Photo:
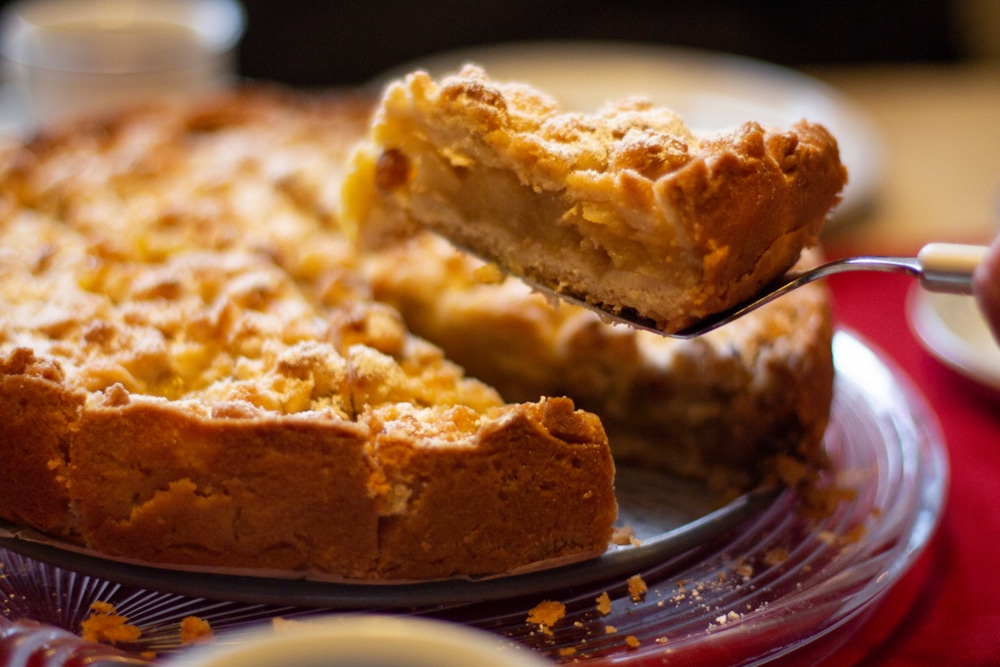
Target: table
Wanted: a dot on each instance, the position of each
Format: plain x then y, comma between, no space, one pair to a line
941,127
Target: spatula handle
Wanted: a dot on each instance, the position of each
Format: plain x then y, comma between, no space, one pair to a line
948,267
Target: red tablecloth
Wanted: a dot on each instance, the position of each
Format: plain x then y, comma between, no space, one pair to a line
947,610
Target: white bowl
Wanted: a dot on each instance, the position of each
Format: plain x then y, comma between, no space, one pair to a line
76,57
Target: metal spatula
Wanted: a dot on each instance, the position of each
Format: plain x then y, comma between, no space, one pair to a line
941,267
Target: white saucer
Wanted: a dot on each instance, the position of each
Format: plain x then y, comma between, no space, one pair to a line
711,91
952,329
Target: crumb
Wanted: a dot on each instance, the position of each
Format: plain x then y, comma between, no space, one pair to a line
604,603
637,587
567,652
195,630
632,641
792,471
610,629
489,274
105,624
776,556
745,570
547,613
725,618
854,535
625,535
661,640
819,503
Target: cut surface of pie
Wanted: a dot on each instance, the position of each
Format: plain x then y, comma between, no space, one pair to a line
193,373
728,407
625,208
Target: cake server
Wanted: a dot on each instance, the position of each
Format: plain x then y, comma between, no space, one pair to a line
940,267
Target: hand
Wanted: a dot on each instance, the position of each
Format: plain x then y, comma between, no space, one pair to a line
986,288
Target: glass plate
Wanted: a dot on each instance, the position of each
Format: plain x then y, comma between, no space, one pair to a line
780,583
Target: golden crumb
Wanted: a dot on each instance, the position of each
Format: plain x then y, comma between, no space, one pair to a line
604,603
854,535
100,607
637,587
567,652
726,618
776,556
625,535
820,502
792,471
610,629
195,630
632,641
547,613
489,274
106,625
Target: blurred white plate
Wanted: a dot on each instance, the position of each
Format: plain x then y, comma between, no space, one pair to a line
952,329
711,91
362,641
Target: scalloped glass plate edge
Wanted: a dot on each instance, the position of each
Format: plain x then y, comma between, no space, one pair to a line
833,593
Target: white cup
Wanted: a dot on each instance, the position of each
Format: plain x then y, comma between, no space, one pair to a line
361,641
74,57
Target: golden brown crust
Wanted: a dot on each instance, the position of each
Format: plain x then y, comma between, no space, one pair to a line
36,414
465,486
194,373
625,208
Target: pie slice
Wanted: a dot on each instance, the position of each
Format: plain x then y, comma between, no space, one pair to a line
626,208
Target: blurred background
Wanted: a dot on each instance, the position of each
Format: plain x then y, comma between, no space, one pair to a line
344,42
320,43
